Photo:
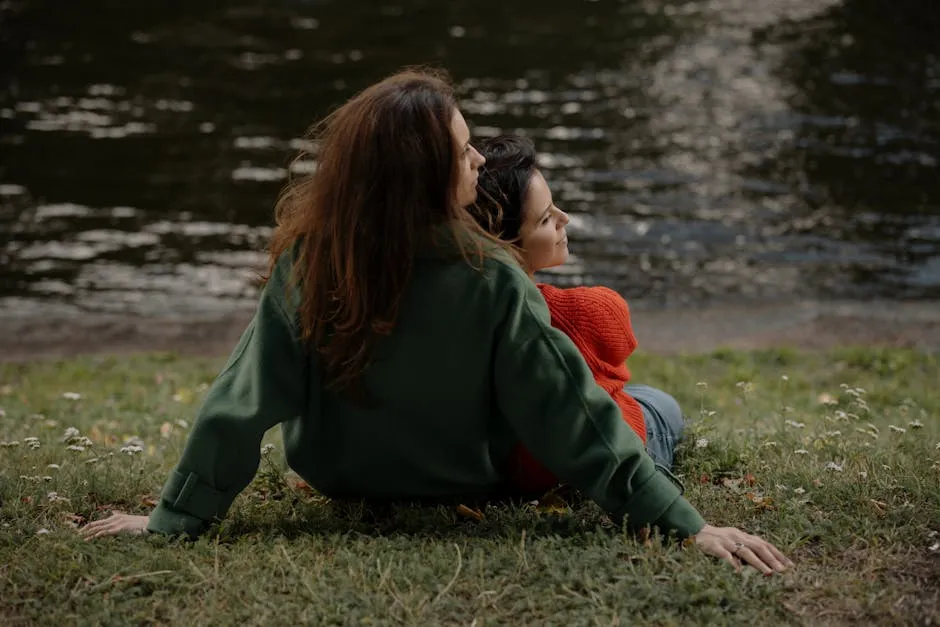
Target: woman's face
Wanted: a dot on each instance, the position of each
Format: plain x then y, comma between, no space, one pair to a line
543,236
469,162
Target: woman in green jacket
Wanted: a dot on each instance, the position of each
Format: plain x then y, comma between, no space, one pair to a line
403,350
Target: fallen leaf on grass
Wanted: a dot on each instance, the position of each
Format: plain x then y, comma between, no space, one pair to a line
304,487
732,484
73,520
826,399
879,506
468,512
551,503
148,500
762,502
184,395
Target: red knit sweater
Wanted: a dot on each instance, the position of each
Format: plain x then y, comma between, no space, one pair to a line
597,320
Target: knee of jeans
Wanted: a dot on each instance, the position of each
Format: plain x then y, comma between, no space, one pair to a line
672,413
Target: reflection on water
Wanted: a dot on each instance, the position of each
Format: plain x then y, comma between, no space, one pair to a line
729,149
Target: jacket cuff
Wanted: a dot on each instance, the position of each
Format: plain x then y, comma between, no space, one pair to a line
682,517
659,502
186,504
165,521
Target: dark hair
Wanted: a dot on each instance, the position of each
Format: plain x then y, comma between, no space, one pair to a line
504,179
386,174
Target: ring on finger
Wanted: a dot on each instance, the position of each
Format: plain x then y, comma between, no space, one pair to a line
737,547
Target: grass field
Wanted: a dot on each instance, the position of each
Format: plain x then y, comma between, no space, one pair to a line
834,457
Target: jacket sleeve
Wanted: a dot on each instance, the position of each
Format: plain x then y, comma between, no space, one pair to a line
571,425
261,385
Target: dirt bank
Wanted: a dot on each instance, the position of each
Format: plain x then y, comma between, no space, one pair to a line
803,325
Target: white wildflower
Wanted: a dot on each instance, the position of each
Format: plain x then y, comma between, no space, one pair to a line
53,466
702,385
30,440
42,532
72,396
916,424
832,466
701,442
933,548
794,424
841,415
84,441
833,434
801,451
93,460
784,377
3,413
866,432
937,446
769,444
76,447
863,474
9,444
134,440
799,491
897,429
54,496
182,424
267,448
782,488
70,433
47,478
132,449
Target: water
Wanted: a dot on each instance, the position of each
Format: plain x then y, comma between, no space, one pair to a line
708,152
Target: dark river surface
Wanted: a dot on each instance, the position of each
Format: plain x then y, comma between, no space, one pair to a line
708,152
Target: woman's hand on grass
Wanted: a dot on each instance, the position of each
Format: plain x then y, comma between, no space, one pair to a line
737,548
115,524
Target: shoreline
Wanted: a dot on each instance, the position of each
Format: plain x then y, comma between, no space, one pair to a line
806,325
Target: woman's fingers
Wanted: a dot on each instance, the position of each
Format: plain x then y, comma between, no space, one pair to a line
727,556
113,525
737,548
94,527
780,556
763,550
749,556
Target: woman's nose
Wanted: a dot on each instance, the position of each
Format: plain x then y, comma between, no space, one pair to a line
563,219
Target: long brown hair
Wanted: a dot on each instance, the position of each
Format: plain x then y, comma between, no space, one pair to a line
385,177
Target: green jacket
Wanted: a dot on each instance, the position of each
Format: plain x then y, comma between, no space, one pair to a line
472,367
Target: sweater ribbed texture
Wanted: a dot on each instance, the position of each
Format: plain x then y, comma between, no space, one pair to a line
597,319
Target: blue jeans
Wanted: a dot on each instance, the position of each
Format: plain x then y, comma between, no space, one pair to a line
664,422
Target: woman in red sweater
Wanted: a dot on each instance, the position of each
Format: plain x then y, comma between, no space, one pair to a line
516,203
